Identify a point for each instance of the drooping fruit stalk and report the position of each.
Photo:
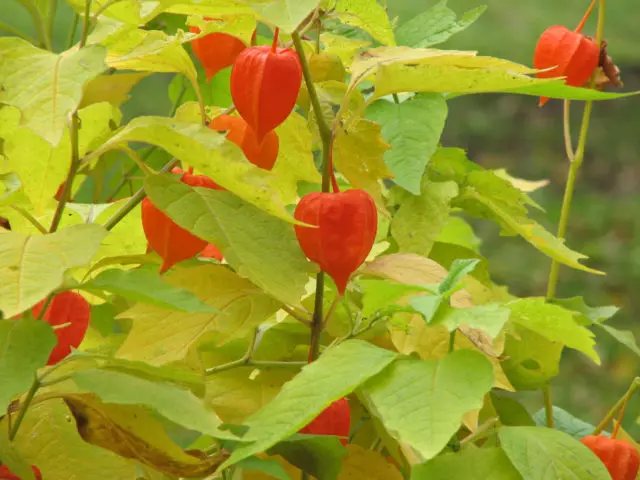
(71, 313)
(6, 474)
(172, 242)
(619, 456)
(265, 82)
(567, 53)
(334, 420)
(346, 222)
(262, 154)
(216, 51)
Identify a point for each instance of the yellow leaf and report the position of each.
(368, 15)
(362, 464)
(295, 159)
(526, 186)
(133, 432)
(343, 47)
(239, 25)
(114, 89)
(161, 336)
(358, 154)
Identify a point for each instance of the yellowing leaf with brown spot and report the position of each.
(133, 432)
(160, 336)
(358, 154)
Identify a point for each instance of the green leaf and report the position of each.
(358, 154)
(625, 337)
(554, 323)
(469, 464)
(565, 422)
(436, 25)
(545, 453)
(44, 168)
(460, 268)
(427, 305)
(160, 336)
(33, 266)
(260, 247)
(510, 411)
(379, 294)
(147, 287)
(285, 14)
(335, 374)
(413, 129)
(369, 15)
(211, 154)
(458, 232)
(46, 87)
(590, 315)
(530, 359)
(49, 434)
(114, 89)
(489, 318)
(269, 466)
(25, 346)
(419, 220)
(321, 456)
(150, 51)
(132, 12)
(10, 185)
(173, 403)
(417, 396)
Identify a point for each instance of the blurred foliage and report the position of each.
(510, 132)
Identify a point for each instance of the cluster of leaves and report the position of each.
(201, 371)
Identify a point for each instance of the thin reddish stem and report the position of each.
(254, 37)
(616, 428)
(334, 182)
(586, 16)
(274, 45)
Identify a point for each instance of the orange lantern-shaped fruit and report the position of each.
(619, 456)
(334, 420)
(216, 51)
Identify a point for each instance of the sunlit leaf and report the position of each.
(133, 12)
(12, 459)
(160, 336)
(417, 396)
(368, 15)
(285, 14)
(260, 247)
(335, 374)
(541, 452)
(210, 154)
(413, 130)
(358, 154)
(46, 87)
(361, 463)
(32, 266)
(554, 323)
(133, 432)
(435, 25)
(114, 89)
(146, 287)
(343, 47)
(25, 346)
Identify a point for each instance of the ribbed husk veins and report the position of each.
(619, 456)
(263, 153)
(216, 51)
(265, 85)
(573, 55)
(347, 224)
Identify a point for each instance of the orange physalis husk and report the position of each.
(211, 251)
(73, 311)
(172, 242)
(334, 420)
(347, 225)
(265, 82)
(216, 51)
(619, 456)
(262, 154)
(573, 55)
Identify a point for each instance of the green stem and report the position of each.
(51, 20)
(86, 22)
(14, 31)
(32, 220)
(24, 407)
(73, 170)
(452, 341)
(134, 200)
(483, 431)
(45, 307)
(566, 123)
(72, 30)
(619, 404)
(326, 136)
(548, 405)
(38, 22)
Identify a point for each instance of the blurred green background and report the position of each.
(502, 131)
